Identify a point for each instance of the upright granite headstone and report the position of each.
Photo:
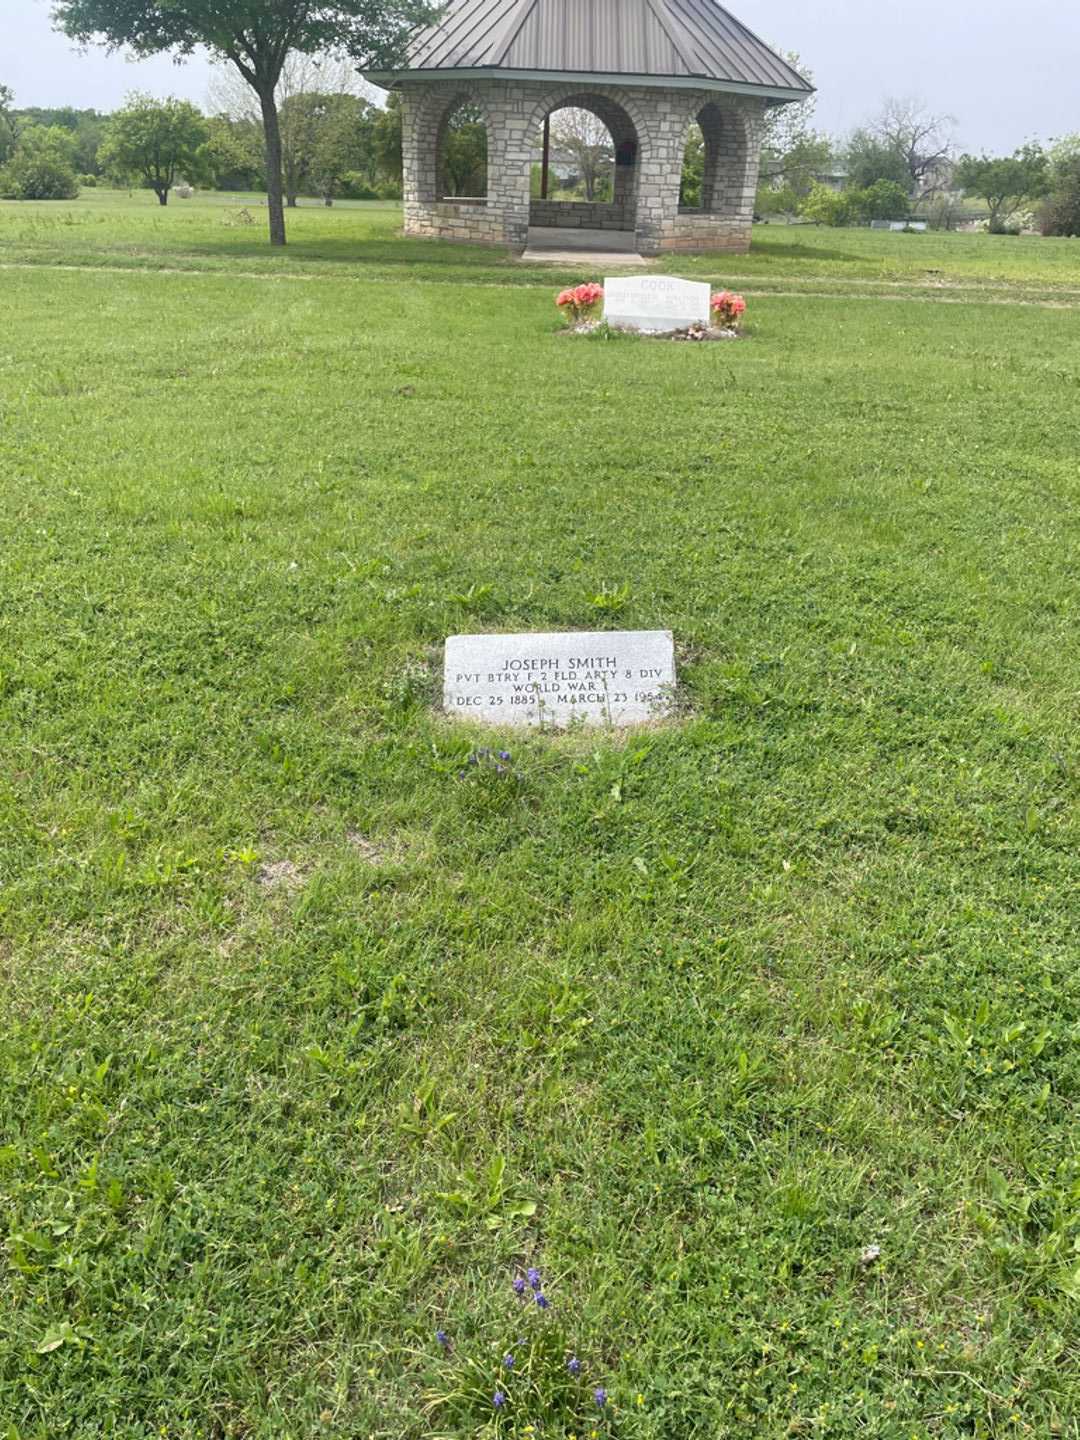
(607, 678)
(655, 302)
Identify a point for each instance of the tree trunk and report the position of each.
(328, 200)
(272, 136)
(163, 197)
(290, 199)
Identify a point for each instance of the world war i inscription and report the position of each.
(612, 677)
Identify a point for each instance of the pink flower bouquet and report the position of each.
(728, 309)
(580, 303)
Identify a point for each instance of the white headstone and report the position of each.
(608, 678)
(655, 302)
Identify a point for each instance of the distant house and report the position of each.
(564, 166)
(940, 180)
(835, 178)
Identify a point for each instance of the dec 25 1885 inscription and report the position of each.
(608, 678)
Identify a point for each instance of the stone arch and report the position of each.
(432, 123)
(728, 152)
(585, 97)
(629, 129)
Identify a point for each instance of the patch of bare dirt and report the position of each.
(279, 875)
(367, 849)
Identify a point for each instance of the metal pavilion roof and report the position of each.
(669, 42)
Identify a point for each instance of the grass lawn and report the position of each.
(309, 1047)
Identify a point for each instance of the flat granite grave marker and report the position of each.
(655, 302)
(613, 677)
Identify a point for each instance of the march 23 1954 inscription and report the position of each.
(612, 677)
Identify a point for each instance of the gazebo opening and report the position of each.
(461, 165)
(715, 158)
(576, 158)
(693, 167)
(583, 166)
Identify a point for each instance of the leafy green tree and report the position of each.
(829, 207)
(86, 127)
(41, 166)
(693, 171)
(333, 137)
(256, 37)
(231, 157)
(786, 127)
(8, 125)
(1005, 182)
(299, 114)
(810, 155)
(884, 200)
(386, 139)
(325, 136)
(1060, 215)
(771, 200)
(154, 141)
(464, 160)
(870, 159)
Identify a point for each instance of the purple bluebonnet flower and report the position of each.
(543, 1302)
(574, 1365)
(508, 1360)
(600, 1396)
(504, 754)
(442, 1337)
(498, 1399)
(533, 1277)
(519, 1285)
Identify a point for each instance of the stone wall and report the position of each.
(697, 230)
(656, 118)
(580, 214)
(455, 220)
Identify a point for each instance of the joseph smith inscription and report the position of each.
(612, 677)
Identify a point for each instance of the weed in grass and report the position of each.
(610, 599)
(534, 1384)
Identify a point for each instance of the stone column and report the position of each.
(417, 157)
(660, 169)
(713, 134)
(738, 161)
(510, 105)
(731, 128)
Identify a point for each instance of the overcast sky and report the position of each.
(1007, 72)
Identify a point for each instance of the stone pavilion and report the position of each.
(648, 69)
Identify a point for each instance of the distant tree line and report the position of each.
(256, 42)
(905, 162)
(333, 142)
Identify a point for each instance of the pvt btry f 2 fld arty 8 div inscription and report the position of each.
(610, 677)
